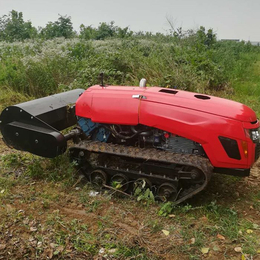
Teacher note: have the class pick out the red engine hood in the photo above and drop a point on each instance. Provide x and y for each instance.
(200, 102)
(118, 100)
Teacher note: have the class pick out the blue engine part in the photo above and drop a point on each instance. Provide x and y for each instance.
(96, 130)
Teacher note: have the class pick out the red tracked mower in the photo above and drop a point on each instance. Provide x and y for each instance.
(168, 140)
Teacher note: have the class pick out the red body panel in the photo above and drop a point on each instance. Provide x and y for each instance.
(201, 119)
(110, 107)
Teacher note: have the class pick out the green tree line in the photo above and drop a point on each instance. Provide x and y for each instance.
(14, 28)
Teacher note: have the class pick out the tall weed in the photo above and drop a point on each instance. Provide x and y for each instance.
(195, 62)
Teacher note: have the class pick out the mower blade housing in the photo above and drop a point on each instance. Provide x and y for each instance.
(34, 126)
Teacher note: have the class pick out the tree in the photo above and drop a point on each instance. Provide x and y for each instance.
(87, 32)
(208, 38)
(104, 30)
(13, 27)
(60, 28)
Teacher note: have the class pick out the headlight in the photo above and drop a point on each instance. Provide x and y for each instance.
(255, 135)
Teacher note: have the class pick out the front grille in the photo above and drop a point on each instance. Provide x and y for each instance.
(257, 151)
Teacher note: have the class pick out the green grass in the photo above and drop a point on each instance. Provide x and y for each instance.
(197, 222)
(8, 97)
(42, 188)
(247, 88)
(39, 68)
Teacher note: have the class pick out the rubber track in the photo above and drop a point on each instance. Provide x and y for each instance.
(152, 154)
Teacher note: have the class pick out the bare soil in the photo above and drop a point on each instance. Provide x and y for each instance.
(48, 220)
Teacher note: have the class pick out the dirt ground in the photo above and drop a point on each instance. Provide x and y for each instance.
(40, 219)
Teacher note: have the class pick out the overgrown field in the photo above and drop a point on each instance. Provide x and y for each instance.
(48, 211)
(196, 62)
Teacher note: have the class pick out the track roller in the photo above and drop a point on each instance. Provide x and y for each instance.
(196, 174)
(141, 185)
(98, 178)
(167, 192)
(120, 182)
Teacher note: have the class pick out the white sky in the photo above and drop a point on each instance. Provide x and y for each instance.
(232, 19)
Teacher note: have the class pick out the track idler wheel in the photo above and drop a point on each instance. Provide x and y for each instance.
(120, 182)
(167, 192)
(98, 178)
(196, 174)
(141, 185)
